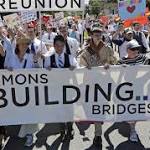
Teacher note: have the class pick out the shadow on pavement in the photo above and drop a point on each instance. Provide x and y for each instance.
(92, 147)
(16, 144)
(128, 145)
(82, 127)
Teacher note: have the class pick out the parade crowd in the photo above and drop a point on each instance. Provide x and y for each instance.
(65, 46)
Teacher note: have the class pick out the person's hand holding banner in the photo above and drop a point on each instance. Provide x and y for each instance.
(11, 32)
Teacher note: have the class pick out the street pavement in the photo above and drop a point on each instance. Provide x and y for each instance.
(48, 138)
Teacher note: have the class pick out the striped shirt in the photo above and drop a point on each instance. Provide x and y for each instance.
(139, 60)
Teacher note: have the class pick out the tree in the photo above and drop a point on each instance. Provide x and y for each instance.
(94, 7)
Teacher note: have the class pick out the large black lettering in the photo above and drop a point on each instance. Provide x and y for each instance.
(148, 106)
(141, 108)
(36, 95)
(13, 91)
(20, 79)
(34, 79)
(5, 79)
(130, 92)
(76, 89)
(2, 4)
(106, 96)
(57, 2)
(77, 2)
(121, 109)
(2, 98)
(131, 109)
(44, 78)
(28, 5)
(106, 109)
(96, 109)
(39, 3)
(87, 93)
(11, 3)
(50, 4)
(47, 97)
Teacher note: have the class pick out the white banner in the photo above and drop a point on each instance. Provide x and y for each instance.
(61, 95)
(41, 5)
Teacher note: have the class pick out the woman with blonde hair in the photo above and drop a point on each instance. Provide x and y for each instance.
(24, 59)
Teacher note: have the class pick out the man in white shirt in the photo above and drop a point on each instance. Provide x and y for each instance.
(49, 36)
(140, 37)
(37, 47)
(122, 42)
(81, 30)
(66, 59)
(6, 44)
(71, 45)
(61, 60)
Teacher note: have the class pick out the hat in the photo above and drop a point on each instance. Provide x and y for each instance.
(96, 27)
(24, 40)
(135, 23)
(128, 31)
(133, 44)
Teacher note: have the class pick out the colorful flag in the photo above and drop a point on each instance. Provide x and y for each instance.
(131, 8)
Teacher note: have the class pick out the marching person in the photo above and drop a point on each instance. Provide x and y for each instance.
(147, 35)
(49, 36)
(122, 42)
(139, 36)
(74, 33)
(134, 58)
(6, 44)
(81, 31)
(37, 47)
(23, 59)
(71, 45)
(97, 53)
(60, 59)
(2, 128)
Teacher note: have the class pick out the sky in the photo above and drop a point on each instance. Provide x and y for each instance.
(86, 1)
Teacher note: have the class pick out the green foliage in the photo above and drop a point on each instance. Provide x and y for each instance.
(94, 7)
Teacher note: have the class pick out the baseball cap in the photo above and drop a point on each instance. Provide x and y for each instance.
(96, 27)
(128, 31)
(133, 44)
(135, 23)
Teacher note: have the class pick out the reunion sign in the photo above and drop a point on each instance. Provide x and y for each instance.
(41, 5)
(61, 95)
